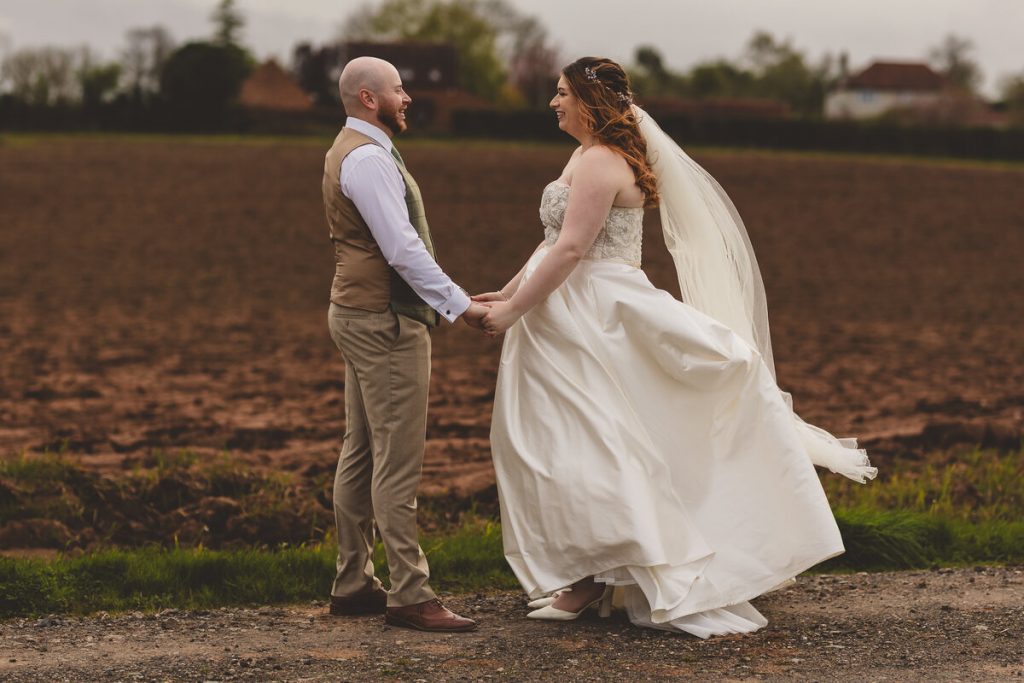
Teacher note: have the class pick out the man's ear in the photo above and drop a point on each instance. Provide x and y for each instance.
(368, 99)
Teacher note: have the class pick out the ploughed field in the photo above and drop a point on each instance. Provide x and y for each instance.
(161, 294)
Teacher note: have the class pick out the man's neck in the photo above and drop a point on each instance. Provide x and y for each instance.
(375, 123)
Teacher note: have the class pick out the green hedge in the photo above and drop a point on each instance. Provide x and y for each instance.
(790, 134)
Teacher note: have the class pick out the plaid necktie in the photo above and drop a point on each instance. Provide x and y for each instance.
(397, 156)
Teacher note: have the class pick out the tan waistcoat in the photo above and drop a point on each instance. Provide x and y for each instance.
(362, 277)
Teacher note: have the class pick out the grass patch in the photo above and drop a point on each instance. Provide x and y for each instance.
(469, 558)
(53, 467)
(908, 540)
(967, 510)
(977, 486)
(148, 579)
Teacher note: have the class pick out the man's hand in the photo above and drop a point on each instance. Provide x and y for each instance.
(474, 315)
(489, 297)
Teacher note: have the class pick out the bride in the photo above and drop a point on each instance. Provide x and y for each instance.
(639, 441)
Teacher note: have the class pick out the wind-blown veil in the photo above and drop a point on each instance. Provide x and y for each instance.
(718, 274)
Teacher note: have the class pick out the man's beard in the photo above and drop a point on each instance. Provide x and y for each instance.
(390, 119)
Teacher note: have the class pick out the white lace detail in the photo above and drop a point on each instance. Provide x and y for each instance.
(619, 239)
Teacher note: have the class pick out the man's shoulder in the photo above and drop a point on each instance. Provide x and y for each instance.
(351, 135)
(369, 157)
(349, 138)
(369, 163)
(369, 148)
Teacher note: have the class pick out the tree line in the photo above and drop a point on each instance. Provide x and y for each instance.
(504, 56)
(194, 84)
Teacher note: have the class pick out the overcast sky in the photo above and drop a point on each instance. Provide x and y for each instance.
(685, 31)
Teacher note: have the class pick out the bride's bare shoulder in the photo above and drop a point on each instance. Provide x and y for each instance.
(603, 160)
(604, 155)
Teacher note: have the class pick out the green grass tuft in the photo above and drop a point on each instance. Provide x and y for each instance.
(969, 510)
(908, 540)
(976, 486)
(48, 468)
(148, 579)
(469, 558)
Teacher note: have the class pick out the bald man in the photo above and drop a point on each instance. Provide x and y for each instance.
(388, 292)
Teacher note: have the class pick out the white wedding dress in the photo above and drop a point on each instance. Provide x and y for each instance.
(638, 440)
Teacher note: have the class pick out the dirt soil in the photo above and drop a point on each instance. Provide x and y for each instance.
(163, 294)
(159, 295)
(946, 625)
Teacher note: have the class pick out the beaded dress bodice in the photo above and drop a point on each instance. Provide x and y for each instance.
(619, 238)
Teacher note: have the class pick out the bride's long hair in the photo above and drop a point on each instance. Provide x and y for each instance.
(602, 88)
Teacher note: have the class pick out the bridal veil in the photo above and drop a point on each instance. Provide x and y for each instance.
(718, 274)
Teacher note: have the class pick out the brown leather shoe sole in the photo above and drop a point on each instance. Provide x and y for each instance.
(404, 623)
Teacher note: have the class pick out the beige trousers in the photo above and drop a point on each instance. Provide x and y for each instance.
(387, 374)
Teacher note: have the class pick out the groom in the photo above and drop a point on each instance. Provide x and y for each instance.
(388, 292)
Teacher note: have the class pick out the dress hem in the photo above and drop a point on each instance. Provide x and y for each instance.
(727, 599)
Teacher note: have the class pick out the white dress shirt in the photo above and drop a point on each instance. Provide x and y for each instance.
(371, 179)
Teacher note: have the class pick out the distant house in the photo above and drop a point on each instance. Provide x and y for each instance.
(269, 87)
(422, 66)
(885, 86)
(430, 75)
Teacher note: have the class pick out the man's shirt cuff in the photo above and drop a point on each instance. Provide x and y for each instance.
(455, 306)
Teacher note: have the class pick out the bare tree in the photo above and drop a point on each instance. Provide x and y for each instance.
(953, 58)
(42, 76)
(144, 57)
(532, 60)
(764, 51)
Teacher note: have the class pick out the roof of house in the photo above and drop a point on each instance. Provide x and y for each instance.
(269, 87)
(907, 76)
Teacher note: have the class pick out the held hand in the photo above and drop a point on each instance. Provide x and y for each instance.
(474, 315)
(488, 296)
(499, 318)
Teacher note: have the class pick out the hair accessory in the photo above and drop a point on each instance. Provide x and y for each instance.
(592, 77)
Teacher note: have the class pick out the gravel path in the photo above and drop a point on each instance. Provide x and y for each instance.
(945, 625)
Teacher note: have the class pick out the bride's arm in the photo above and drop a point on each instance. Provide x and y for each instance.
(596, 182)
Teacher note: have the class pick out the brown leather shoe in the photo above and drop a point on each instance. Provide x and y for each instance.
(428, 616)
(373, 601)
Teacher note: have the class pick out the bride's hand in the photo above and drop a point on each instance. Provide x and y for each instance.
(488, 296)
(501, 317)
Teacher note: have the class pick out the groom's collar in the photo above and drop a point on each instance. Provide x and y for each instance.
(370, 130)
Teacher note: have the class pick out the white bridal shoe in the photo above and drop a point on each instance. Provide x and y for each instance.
(545, 601)
(549, 612)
